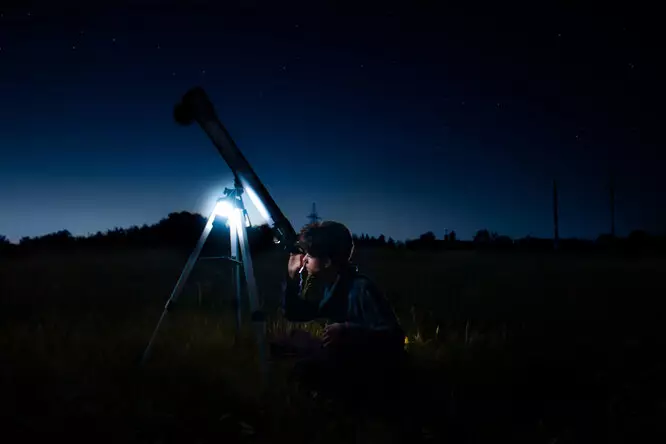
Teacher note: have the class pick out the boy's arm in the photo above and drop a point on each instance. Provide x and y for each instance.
(294, 307)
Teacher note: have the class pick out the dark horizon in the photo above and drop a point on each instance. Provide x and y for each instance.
(410, 120)
(603, 237)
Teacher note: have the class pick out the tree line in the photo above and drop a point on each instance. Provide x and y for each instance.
(181, 230)
(637, 242)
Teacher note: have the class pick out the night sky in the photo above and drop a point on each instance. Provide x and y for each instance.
(393, 121)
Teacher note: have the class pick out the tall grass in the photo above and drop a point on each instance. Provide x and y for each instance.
(532, 349)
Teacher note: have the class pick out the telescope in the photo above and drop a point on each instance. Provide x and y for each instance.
(195, 106)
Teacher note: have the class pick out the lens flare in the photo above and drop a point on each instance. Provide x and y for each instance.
(223, 208)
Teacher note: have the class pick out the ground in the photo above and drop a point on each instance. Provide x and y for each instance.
(503, 347)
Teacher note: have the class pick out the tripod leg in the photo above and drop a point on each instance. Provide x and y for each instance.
(191, 261)
(235, 277)
(257, 315)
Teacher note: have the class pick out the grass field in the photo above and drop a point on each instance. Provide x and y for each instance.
(504, 347)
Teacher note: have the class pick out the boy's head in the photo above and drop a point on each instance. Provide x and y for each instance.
(328, 246)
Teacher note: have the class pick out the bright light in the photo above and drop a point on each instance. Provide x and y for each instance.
(258, 204)
(224, 208)
(235, 219)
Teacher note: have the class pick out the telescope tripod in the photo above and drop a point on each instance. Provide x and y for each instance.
(232, 207)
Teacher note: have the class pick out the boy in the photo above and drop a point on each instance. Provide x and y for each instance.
(363, 341)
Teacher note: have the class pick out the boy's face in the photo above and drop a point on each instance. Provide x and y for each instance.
(316, 265)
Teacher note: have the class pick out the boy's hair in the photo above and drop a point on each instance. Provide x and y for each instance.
(328, 239)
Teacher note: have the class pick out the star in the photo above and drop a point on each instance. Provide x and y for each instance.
(113, 40)
(203, 72)
(29, 14)
(296, 25)
(284, 68)
(362, 66)
(498, 104)
(631, 65)
(82, 32)
(74, 47)
(158, 46)
(173, 74)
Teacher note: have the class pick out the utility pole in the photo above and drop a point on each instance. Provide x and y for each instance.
(313, 217)
(556, 222)
(612, 204)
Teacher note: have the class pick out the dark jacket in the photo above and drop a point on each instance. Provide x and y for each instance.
(353, 299)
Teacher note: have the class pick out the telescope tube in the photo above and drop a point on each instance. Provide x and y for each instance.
(196, 106)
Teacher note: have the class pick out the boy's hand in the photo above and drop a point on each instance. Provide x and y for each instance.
(333, 334)
(295, 264)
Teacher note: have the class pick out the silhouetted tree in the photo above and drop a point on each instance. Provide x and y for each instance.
(530, 243)
(501, 241)
(482, 237)
(5, 245)
(181, 230)
(427, 241)
(428, 237)
(491, 239)
(178, 230)
(59, 240)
